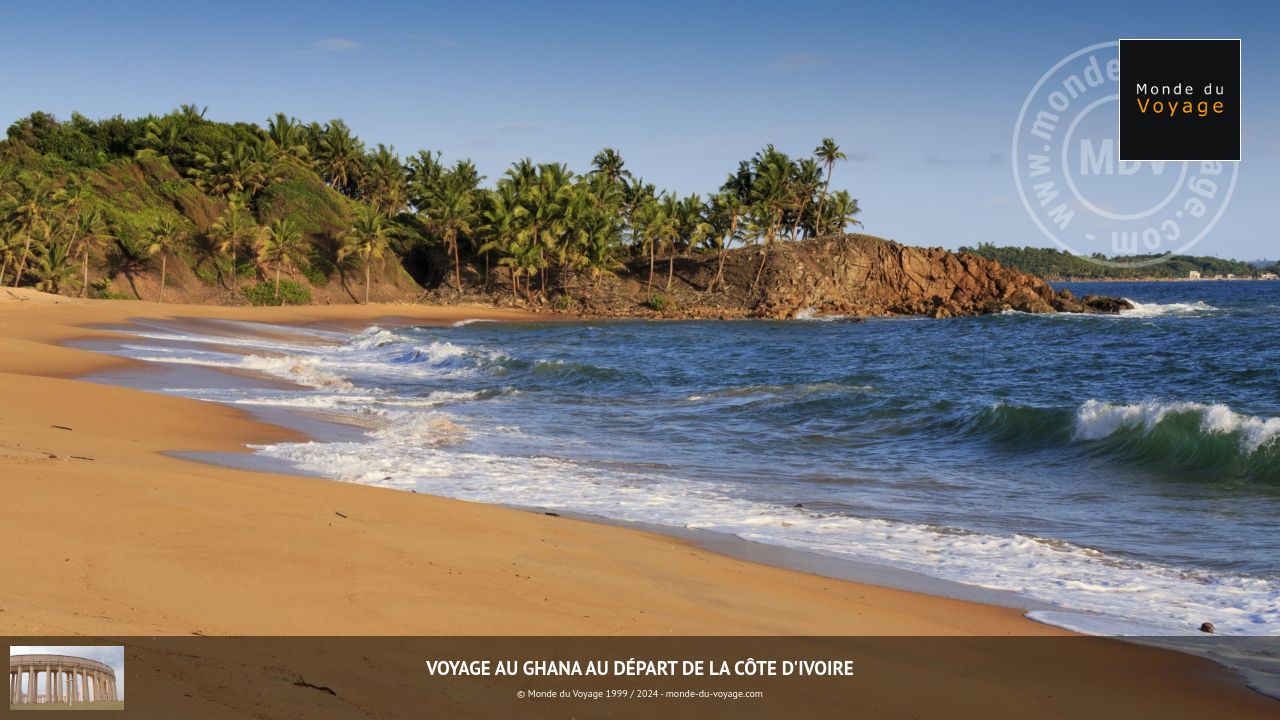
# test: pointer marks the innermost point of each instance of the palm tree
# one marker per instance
(806, 174)
(280, 245)
(230, 232)
(341, 155)
(423, 172)
(451, 209)
(163, 137)
(502, 217)
(726, 209)
(686, 224)
(287, 139)
(164, 234)
(34, 203)
(650, 225)
(608, 164)
(367, 240)
(53, 266)
(91, 229)
(827, 153)
(522, 260)
(839, 213)
(6, 254)
(771, 191)
(243, 170)
(544, 192)
(383, 182)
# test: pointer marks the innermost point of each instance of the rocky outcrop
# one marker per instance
(849, 275)
(864, 275)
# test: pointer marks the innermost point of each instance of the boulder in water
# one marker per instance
(1106, 304)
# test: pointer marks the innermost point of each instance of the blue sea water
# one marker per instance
(1126, 468)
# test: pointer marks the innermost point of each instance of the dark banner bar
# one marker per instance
(647, 677)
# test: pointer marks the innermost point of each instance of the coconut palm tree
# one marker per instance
(383, 181)
(232, 231)
(34, 204)
(501, 224)
(341, 155)
(523, 260)
(164, 234)
(827, 153)
(53, 266)
(839, 213)
(452, 209)
(636, 196)
(608, 164)
(91, 230)
(806, 175)
(163, 137)
(287, 139)
(6, 253)
(771, 190)
(367, 240)
(243, 171)
(725, 211)
(688, 226)
(545, 195)
(280, 245)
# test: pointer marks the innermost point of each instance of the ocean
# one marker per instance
(1122, 469)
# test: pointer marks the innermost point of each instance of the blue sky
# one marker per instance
(923, 96)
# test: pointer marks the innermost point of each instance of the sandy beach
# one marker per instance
(108, 535)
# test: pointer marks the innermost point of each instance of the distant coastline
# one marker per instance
(1155, 279)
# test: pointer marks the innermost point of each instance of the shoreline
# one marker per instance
(256, 532)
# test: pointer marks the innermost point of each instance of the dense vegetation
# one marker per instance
(245, 207)
(1055, 264)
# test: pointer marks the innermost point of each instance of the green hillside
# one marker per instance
(181, 207)
(1057, 265)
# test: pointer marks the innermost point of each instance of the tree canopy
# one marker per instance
(233, 200)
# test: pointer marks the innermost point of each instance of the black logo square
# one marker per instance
(1179, 100)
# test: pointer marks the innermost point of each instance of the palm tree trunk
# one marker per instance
(22, 264)
(514, 297)
(826, 187)
(651, 254)
(366, 282)
(4, 268)
(724, 249)
(84, 285)
(457, 265)
(671, 267)
(277, 281)
(164, 272)
(764, 254)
